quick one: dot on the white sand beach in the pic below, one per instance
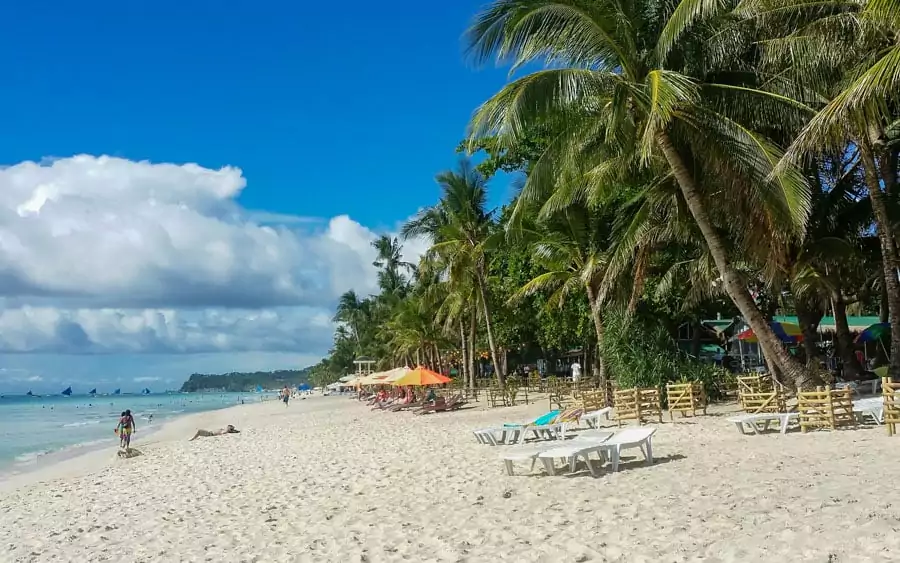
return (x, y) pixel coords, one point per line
(328, 480)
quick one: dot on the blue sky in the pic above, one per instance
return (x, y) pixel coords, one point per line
(334, 117)
(328, 108)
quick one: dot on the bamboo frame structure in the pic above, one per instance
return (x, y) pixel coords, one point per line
(889, 392)
(593, 400)
(685, 398)
(637, 404)
(752, 385)
(825, 408)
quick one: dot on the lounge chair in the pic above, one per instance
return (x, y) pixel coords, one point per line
(521, 453)
(552, 425)
(754, 420)
(533, 452)
(399, 406)
(592, 419)
(384, 405)
(640, 437)
(488, 436)
(572, 450)
(451, 404)
(873, 407)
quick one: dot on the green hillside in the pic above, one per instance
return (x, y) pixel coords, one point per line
(240, 381)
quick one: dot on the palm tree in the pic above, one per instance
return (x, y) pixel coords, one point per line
(573, 247)
(389, 261)
(847, 55)
(460, 228)
(351, 311)
(627, 92)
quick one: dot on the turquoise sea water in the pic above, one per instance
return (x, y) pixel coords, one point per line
(34, 427)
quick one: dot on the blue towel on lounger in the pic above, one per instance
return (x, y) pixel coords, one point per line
(541, 420)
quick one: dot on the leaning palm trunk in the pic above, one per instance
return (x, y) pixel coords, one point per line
(495, 358)
(888, 252)
(734, 284)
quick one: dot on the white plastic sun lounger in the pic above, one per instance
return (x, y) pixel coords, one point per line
(555, 431)
(499, 435)
(753, 421)
(487, 436)
(592, 419)
(531, 452)
(612, 448)
(873, 407)
(521, 453)
(571, 450)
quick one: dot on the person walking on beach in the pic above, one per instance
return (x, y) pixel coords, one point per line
(576, 371)
(285, 395)
(125, 428)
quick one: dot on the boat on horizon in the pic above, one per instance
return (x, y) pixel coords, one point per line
(117, 392)
(67, 392)
(92, 391)
(146, 391)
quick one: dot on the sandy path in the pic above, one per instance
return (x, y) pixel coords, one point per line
(328, 480)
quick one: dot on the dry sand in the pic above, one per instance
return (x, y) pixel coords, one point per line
(328, 480)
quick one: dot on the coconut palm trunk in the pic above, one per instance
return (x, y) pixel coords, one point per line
(852, 369)
(734, 283)
(597, 317)
(888, 251)
(809, 318)
(473, 333)
(464, 350)
(495, 358)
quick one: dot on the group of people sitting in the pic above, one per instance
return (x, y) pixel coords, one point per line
(400, 396)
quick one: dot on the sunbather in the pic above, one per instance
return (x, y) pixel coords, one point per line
(221, 431)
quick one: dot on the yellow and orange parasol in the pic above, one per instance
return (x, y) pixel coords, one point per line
(421, 376)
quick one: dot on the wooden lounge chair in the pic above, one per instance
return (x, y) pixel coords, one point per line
(405, 406)
(451, 404)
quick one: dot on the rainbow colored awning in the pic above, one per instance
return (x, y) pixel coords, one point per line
(786, 332)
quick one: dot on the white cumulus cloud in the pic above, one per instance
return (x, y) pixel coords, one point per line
(103, 255)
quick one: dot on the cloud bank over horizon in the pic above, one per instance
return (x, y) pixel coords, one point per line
(105, 256)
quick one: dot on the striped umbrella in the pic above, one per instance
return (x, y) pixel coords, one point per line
(874, 333)
(786, 332)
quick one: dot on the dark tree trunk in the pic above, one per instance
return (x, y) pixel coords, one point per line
(473, 333)
(696, 333)
(850, 365)
(597, 316)
(809, 316)
(464, 353)
(489, 331)
(733, 282)
(888, 252)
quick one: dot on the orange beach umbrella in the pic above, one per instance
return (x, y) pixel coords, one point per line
(421, 376)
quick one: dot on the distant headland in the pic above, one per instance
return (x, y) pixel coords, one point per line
(246, 381)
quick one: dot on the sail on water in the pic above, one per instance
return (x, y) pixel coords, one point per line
(67, 391)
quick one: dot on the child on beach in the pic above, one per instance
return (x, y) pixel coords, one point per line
(125, 428)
